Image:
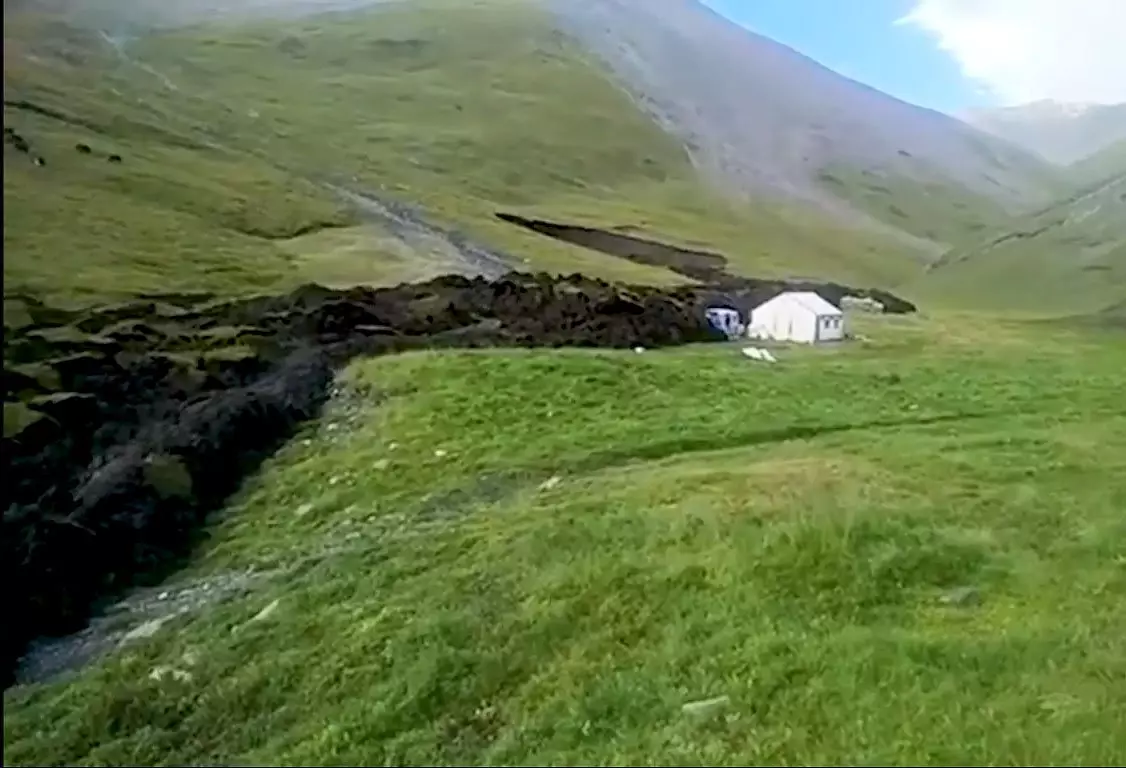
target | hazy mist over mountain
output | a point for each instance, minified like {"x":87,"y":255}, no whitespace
{"x":1062,"y":133}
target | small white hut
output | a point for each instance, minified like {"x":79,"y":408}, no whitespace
{"x":800,"y":316}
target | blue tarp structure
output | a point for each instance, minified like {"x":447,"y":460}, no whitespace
{"x":726,"y":320}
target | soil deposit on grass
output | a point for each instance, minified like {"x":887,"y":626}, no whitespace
{"x":125,"y":425}
{"x":708,"y":267}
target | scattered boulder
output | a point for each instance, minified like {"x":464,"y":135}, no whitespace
{"x":83,"y":149}
{"x":114,"y":158}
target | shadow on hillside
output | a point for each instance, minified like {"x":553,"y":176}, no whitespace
{"x":752,"y":437}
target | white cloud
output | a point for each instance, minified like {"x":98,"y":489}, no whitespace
{"x":1026,"y":50}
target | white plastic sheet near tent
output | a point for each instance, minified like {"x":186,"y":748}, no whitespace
{"x":800,"y":316}
{"x":758,"y":353}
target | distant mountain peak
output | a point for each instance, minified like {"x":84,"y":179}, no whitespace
{"x":1042,"y":108}
{"x":766,"y":120}
{"x":1063,"y":132}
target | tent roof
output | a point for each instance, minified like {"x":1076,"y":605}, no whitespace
{"x":809,"y":300}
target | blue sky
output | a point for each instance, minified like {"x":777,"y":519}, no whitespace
{"x":859,"y":39}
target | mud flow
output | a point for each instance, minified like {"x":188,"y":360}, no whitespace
{"x":125,"y":425}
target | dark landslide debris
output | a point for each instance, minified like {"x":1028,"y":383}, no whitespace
{"x":125,"y":425}
{"x":699,"y":265}
{"x":705,"y":266}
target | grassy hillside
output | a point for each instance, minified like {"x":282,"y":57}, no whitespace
{"x":228,"y":131}
{"x":900,"y":550}
{"x":178,"y":212}
{"x":539,"y":557}
{"x":1101,"y":165}
{"x":1055,"y":130}
{"x":935,"y":210}
{"x":1070,"y":258}
{"x":768,"y":120}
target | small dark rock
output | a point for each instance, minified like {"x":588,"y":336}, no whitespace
{"x":73,"y":410}
{"x":169,"y":476}
{"x":19,"y":418}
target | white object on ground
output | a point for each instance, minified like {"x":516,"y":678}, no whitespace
{"x":179,"y":675}
{"x":146,"y":630}
{"x":758,"y":353}
{"x":706,"y":706}
{"x":266,"y":612}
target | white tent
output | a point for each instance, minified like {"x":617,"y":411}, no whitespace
{"x":800,"y":316}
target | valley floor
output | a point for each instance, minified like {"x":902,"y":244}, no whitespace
{"x":903,"y":550}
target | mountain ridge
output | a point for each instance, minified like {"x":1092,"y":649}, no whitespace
{"x":467,"y":555}
{"x":1067,"y":257}
{"x":884,"y":202}
{"x":284,"y":106}
{"x":773,"y":130}
{"x":1062,"y":133}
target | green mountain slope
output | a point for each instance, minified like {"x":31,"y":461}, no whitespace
{"x":903,"y":549}
{"x":1061,"y":132}
{"x":1100,"y":166}
{"x":1070,"y":257}
{"x":925,"y":206}
{"x":767,"y":120}
{"x":464,"y":110}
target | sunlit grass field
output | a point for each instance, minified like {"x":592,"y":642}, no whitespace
{"x":903,"y":550}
